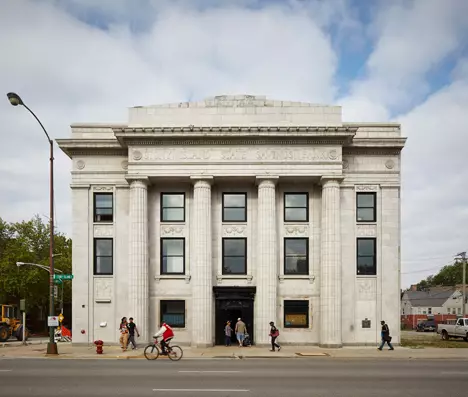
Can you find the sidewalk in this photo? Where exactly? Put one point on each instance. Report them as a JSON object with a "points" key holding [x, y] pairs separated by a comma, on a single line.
{"points": [[67, 351]]}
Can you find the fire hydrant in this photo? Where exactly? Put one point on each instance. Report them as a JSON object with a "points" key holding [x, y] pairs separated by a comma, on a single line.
{"points": [[99, 344]]}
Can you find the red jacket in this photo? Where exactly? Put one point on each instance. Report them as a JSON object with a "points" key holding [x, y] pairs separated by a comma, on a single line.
{"points": [[166, 332]]}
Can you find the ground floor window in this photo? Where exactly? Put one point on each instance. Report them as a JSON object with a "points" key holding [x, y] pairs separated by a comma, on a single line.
{"points": [[173, 313], [296, 314]]}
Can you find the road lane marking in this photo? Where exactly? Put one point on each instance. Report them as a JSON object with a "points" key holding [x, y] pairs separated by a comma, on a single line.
{"points": [[211, 372], [454, 373], [5, 370], [203, 390]]}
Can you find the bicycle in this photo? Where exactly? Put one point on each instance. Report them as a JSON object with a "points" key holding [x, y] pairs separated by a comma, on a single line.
{"points": [[153, 350]]}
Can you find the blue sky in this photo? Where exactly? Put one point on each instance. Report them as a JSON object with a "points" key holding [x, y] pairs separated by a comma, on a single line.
{"points": [[401, 60]]}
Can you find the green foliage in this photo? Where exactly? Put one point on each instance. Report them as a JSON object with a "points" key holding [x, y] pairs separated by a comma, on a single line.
{"points": [[449, 275], [28, 241]]}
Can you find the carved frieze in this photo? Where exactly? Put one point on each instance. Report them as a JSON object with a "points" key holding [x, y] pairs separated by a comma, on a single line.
{"points": [[367, 188], [172, 231], [366, 230], [103, 289], [103, 188], [296, 230], [235, 154], [367, 289], [234, 230], [103, 230]]}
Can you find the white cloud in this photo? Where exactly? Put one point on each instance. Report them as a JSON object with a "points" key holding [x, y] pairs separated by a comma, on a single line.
{"points": [[164, 51]]}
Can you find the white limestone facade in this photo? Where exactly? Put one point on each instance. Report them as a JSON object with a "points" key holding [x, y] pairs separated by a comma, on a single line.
{"points": [[236, 206]]}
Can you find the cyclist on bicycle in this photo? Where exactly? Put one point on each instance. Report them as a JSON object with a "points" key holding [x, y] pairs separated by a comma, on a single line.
{"points": [[167, 334]]}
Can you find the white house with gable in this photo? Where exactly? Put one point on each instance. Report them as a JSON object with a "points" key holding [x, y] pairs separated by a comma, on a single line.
{"points": [[236, 206]]}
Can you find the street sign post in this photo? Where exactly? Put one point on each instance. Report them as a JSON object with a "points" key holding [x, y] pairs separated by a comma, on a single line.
{"points": [[53, 321], [63, 276]]}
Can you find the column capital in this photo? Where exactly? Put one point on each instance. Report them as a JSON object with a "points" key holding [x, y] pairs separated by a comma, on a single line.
{"points": [[326, 179], [137, 178], [201, 180], [268, 180]]}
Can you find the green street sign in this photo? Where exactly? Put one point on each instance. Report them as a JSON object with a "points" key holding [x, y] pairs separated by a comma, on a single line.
{"points": [[63, 276]]}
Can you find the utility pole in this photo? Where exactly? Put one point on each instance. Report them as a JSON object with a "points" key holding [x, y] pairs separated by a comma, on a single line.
{"points": [[462, 256]]}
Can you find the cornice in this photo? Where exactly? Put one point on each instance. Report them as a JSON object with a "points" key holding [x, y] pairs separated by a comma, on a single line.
{"points": [[239, 129]]}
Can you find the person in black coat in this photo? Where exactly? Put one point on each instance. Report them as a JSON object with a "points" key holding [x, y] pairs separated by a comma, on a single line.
{"points": [[386, 338]]}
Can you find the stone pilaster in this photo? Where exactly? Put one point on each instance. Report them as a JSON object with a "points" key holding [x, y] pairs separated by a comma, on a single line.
{"points": [[138, 257], [201, 264], [267, 263], [330, 269]]}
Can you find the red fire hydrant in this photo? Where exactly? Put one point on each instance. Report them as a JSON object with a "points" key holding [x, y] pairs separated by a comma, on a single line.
{"points": [[99, 344]]}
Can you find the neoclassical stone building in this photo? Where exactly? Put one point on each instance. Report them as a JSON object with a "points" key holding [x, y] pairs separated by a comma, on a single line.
{"points": [[236, 206]]}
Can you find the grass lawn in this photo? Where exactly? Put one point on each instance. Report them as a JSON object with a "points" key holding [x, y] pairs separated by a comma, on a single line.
{"points": [[432, 342]]}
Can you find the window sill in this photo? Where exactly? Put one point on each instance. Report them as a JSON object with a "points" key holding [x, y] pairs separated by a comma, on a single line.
{"points": [[309, 277], [103, 222], [221, 277], [103, 275], [366, 222], [178, 223], [185, 277], [366, 275]]}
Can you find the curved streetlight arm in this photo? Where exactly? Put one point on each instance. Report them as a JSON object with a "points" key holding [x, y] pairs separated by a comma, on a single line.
{"points": [[37, 265], [39, 121]]}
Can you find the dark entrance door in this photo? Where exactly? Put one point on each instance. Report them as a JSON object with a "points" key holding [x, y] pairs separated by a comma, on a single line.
{"points": [[233, 303]]}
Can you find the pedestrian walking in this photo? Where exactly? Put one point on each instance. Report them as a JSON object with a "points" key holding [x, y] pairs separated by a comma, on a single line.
{"points": [[241, 330], [274, 333], [228, 332], [132, 328], [386, 338], [123, 333]]}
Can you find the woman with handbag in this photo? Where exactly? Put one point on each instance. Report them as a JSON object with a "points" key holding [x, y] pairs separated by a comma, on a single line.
{"points": [[274, 333]]}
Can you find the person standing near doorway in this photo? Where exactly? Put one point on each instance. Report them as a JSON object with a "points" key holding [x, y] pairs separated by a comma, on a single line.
{"points": [[132, 328], [386, 338], [274, 333], [227, 333], [241, 330]]}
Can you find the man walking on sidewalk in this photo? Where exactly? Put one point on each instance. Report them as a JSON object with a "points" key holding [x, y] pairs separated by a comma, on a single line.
{"points": [[386, 338], [131, 330]]}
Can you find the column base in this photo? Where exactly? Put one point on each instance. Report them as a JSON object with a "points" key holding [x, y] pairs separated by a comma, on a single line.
{"points": [[331, 345]]}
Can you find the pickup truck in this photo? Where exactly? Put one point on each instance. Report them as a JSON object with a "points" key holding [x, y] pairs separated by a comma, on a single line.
{"points": [[457, 330]]}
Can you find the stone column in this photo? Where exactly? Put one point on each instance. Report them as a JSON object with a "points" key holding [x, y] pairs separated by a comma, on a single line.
{"points": [[138, 257], [266, 263], [330, 269], [201, 264]]}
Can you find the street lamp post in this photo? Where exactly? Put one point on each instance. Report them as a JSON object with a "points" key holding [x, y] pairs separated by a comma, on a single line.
{"points": [[15, 100]]}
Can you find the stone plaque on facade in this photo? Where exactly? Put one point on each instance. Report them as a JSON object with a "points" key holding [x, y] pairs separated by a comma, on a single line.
{"points": [[366, 323]]}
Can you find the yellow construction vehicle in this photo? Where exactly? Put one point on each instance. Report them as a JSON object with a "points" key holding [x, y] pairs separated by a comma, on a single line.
{"points": [[10, 325]]}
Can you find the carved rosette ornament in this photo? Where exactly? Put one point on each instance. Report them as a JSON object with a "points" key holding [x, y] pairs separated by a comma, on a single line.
{"points": [[172, 231], [345, 164], [301, 230], [236, 231], [124, 165], [137, 155], [390, 164], [333, 154], [80, 164]]}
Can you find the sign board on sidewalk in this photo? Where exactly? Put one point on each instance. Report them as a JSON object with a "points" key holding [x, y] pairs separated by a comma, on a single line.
{"points": [[63, 276], [52, 321]]}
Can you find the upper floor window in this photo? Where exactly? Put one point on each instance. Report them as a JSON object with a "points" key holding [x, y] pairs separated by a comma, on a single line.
{"points": [[234, 207], [296, 256], [103, 207], [296, 207], [234, 256], [172, 207], [172, 256], [366, 257], [366, 207], [103, 257]]}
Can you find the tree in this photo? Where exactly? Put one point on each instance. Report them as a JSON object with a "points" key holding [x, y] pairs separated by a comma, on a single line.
{"points": [[449, 275], [28, 241]]}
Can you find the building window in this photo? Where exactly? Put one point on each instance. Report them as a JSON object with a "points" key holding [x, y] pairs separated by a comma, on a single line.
{"points": [[234, 256], [448, 310], [103, 207], [366, 207], [296, 314], [172, 207], [234, 207], [296, 256], [429, 310], [173, 313], [103, 257], [366, 257], [459, 310], [172, 256], [296, 207]]}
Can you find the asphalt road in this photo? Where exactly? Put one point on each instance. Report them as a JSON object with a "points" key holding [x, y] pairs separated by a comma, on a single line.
{"points": [[316, 377]]}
